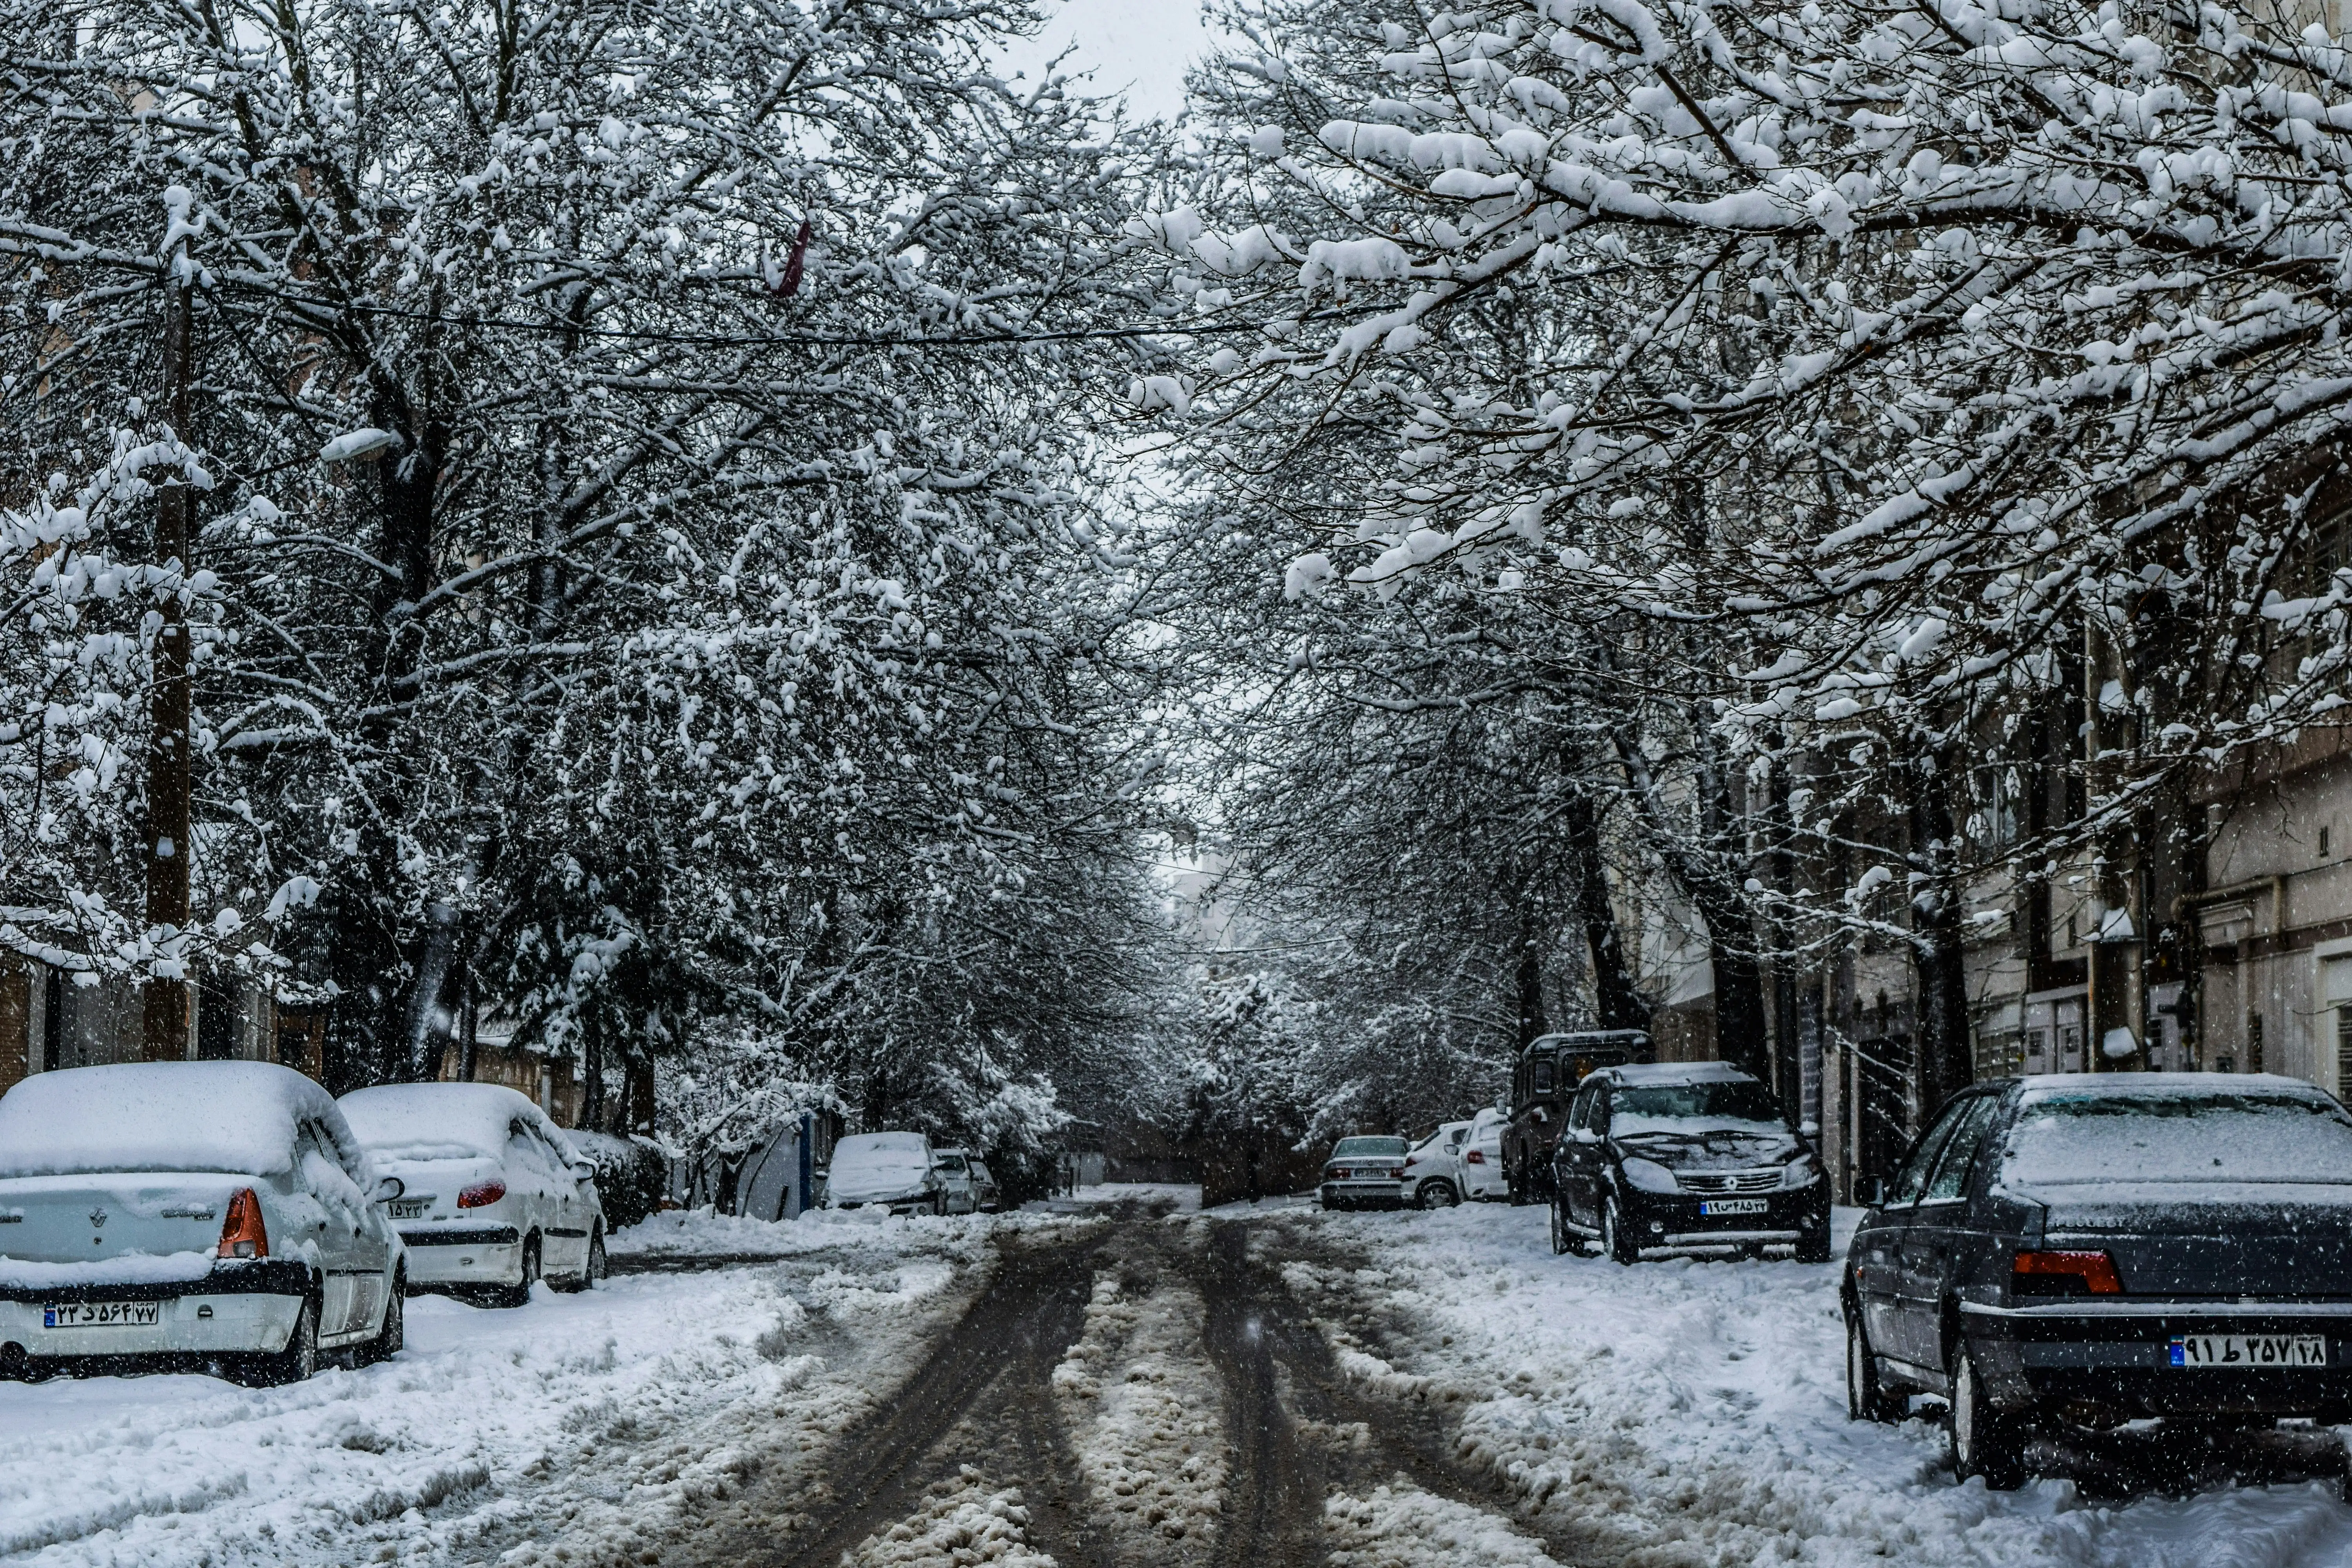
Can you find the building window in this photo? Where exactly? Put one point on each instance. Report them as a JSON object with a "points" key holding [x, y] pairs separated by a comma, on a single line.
{"points": [[2254, 1042]]}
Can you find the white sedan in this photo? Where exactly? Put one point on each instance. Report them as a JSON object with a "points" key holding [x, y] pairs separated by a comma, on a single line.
{"points": [[496, 1196], [1432, 1169], [214, 1213]]}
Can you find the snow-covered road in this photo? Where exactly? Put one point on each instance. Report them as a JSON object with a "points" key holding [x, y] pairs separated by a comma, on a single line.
{"points": [[572, 1429], [1687, 1413]]}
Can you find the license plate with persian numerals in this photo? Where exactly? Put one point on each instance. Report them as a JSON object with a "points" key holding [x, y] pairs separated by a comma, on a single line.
{"points": [[2244, 1352], [1710, 1207], [103, 1315]]}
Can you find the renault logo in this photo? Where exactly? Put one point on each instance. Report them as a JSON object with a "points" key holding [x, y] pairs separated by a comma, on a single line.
{"points": [[97, 1216]]}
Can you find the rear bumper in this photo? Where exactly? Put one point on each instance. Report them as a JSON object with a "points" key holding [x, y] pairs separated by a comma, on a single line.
{"points": [[1352, 1194], [2118, 1356], [463, 1255], [240, 1322]]}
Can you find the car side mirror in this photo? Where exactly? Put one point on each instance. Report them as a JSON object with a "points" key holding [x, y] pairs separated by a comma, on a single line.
{"points": [[1809, 1129], [1871, 1190], [583, 1171], [388, 1188]]}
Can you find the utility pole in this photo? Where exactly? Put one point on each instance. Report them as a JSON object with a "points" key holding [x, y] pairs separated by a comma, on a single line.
{"points": [[164, 1033]]}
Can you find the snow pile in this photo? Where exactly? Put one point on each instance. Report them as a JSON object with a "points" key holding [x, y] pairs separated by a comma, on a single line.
{"points": [[700, 1233], [1404, 1527], [1145, 1413], [961, 1523], [1692, 1414]]}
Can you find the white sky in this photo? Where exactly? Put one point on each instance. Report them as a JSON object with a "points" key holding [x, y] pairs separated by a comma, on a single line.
{"points": [[1136, 46]]}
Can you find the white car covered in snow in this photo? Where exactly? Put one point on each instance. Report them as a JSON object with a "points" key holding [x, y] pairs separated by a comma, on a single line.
{"points": [[898, 1171], [217, 1212], [1481, 1157], [1433, 1168], [496, 1198]]}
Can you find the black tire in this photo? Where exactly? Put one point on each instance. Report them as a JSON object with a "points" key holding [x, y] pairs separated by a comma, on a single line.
{"points": [[1813, 1242], [1615, 1239], [1987, 1441], [1865, 1398], [298, 1361], [1515, 1183], [392, 1337], [519, 1293], [591, 1269], [1436, 1194], [1562, 1239]]}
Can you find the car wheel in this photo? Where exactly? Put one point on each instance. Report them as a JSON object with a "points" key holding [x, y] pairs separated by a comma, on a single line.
{"points": [[1813, 1242], [1865, 1399], [1439, 1195], [392, 1337], [298, 1361], [1985, 1440], [1562, 1239], [1615, 1239], [519, 1293]]}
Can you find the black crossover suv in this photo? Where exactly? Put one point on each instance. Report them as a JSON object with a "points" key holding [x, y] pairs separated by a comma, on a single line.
{"points": [[2086, 1250], [1689, 1157]]}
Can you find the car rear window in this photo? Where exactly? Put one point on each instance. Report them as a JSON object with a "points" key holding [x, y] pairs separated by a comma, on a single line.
{"points": [[2178, 1135], [1369, 1148]]}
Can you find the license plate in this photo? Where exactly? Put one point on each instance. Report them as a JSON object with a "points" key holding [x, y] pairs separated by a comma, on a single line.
{"points": [[411, 1208], [2250, 1350], [103, 1315], [1710, 1207]]}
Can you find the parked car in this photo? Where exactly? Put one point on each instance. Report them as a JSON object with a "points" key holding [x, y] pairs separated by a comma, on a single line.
{"points": [[959, 1193], [1364, 1171], [496, 1197], [1685, 1157], [213, 1213], [985, 1191], [1543, 1080], [1432, 1176], [1481, 1157], [2088, 1249], [894, 1170]]}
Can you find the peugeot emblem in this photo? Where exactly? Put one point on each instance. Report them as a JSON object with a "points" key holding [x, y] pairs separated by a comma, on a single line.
{"points": [[97, 1216]]}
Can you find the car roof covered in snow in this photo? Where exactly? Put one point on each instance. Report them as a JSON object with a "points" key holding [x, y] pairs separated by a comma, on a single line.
{"points": [[2144, 1084], [233, 1116], [874, 1143], [1666, 1074], [444, 1120]]}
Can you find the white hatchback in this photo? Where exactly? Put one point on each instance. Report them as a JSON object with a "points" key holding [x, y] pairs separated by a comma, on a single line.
{"points": [[219, 1214], [495, 1195]]}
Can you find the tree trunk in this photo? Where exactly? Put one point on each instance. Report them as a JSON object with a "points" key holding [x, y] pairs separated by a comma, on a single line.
{"points": [[1946, 1064], [1617, 1000]]}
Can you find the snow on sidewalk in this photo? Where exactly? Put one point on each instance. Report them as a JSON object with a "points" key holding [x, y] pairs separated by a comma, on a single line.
{"points": [[1691, 1414], [662, 1390]]}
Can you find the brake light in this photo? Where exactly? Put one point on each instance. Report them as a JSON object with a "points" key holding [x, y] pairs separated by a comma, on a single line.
{"points": [[242, 1233], [481, 1193], [2065, 1274], [1476, 1157]]}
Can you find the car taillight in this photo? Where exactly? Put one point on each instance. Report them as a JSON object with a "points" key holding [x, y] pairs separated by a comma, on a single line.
{"points": [[1338, 1173], [2065, 1274], [481, 1193], [1476, 1157], [242, 1234]]}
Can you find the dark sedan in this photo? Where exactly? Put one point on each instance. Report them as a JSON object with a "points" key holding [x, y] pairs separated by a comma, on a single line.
{"points": [[1689, 1158], [2086, 1250]]}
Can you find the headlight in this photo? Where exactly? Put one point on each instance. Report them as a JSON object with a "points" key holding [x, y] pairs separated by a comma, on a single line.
{"points": [[1801, 1172], [1650, 1176]]}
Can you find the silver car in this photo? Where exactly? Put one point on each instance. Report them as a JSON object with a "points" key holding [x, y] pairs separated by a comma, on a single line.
{"points": [[216, 1214], [1364, 1173]]}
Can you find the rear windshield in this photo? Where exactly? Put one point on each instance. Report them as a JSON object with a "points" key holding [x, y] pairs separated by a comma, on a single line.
{"points": [[1733, 1105], [2177, 1136], [1369, 1148]]}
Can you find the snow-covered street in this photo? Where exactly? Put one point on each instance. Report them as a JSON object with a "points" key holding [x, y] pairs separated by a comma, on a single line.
{"points": [[1122, 1382]]}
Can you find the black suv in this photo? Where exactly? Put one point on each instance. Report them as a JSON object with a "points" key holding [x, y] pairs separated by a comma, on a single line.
{"points": [[2076, 1251], [1543, 1080], [1684, 1158]]}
